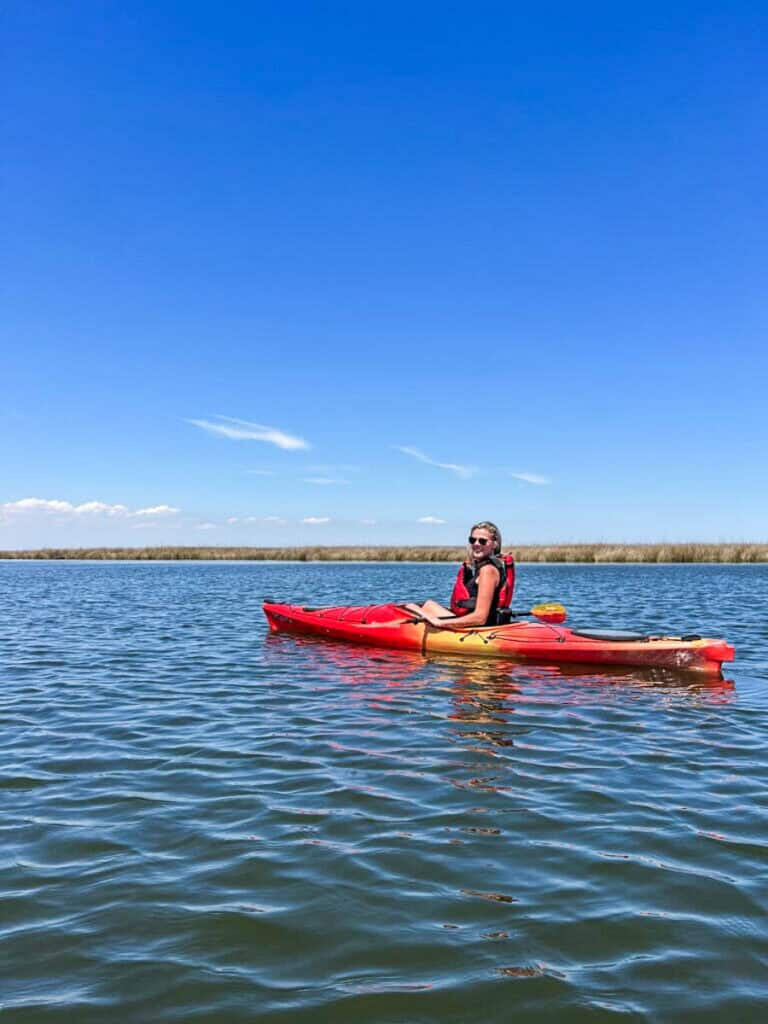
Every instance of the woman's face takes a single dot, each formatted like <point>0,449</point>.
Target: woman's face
<point>482,542</point>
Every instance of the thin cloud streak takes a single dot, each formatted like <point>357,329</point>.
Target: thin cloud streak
<point>415,453</point>
<point>431,520</point>
<point>324,481</point>
<point>234,520</point>
<point>316,520</point>
<point>244,430</point>
<point>532,478</point>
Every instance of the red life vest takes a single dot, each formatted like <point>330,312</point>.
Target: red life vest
<point>464,593</point>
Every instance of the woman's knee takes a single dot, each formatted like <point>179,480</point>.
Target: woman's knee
<point>433,608</point>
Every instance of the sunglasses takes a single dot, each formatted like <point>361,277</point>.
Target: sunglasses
<point>482,541</point>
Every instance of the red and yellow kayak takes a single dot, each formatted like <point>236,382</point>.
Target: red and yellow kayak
<point>391,625</point>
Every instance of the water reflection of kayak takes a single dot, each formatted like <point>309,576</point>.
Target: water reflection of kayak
<point>391,625</point>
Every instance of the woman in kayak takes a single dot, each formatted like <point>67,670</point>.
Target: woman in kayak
<point>484,577</point>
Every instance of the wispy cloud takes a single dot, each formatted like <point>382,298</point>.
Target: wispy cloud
<point>316,520</point>
<point>431,520</point>
<point>244,430</point>
<point>415,453</point>
<point>233,520</point>
<point>55,506</point>
<point>531,478</point>
<point>324,481</point>
<point>206,526</point>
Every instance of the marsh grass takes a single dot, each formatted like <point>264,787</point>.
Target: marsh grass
<point>589,553</point>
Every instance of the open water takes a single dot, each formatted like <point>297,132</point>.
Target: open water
<point>199,822</point>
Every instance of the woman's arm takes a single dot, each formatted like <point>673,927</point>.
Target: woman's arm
<point>487,581</point>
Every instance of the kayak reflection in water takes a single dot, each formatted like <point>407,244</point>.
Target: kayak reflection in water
<point>484,584</point>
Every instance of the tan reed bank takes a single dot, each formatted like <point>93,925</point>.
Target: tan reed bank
<point>588,553</point>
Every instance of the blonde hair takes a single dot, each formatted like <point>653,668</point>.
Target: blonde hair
<point>493,529</point>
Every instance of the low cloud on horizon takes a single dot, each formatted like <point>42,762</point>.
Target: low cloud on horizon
<point>56,506</point>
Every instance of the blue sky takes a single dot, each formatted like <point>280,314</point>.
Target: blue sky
<point>335,273</point>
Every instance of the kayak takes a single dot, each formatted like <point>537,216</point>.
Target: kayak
<point>391,625</point>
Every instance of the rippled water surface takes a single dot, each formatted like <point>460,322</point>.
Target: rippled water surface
<point>200,822</point>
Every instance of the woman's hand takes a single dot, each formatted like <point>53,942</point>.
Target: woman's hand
<point>437,623</point>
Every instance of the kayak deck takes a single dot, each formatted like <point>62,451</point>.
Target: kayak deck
<point>393,626</point>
